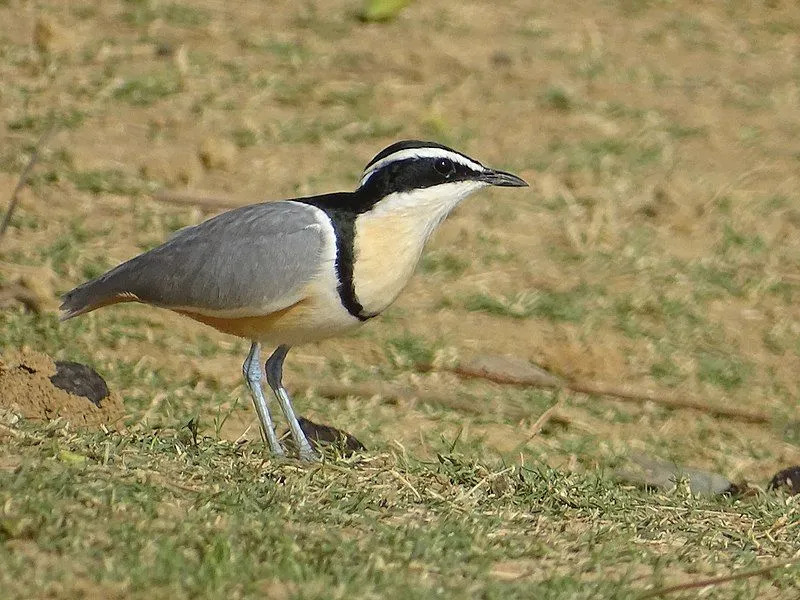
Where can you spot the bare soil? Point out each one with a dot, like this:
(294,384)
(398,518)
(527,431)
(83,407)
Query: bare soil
(26,391)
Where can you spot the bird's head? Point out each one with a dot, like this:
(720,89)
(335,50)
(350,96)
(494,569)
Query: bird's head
(416,174)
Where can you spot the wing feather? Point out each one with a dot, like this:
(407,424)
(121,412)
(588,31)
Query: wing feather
(244,262)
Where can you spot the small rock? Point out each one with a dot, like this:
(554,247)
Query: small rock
(787,479)
(508,369)
(650,472)
(325,435)
(80,380)
(38,389)
(217,154)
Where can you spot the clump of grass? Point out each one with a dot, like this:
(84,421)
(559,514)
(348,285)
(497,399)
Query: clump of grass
(680,132)
(713,280)
(727,372)
(557,98)
(731,238)
(143,12)
(244,137)
(147,89)
(408,350)
(554,306)
(106,181)
(667,372)
(443,262)
(185,15)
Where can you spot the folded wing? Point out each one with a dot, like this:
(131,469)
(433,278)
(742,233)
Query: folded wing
(245,262)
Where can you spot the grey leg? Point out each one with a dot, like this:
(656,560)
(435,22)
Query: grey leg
(252,375)
(274,369)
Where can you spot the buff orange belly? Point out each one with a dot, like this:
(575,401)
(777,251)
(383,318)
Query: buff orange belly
(302,322)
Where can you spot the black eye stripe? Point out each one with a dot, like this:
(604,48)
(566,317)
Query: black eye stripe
(416,173)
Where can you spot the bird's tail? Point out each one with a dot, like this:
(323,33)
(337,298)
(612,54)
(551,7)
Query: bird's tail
(94,294)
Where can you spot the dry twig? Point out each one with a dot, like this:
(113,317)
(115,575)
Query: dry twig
(488,368)
(482,368)
(194,199)
(703,583)
(23,178)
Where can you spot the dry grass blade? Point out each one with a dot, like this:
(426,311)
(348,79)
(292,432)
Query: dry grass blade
(669,400)
(544,418)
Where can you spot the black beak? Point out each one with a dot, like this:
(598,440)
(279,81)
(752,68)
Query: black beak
(502,179)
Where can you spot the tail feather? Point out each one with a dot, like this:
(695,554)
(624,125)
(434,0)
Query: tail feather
(94,294)
(82,299)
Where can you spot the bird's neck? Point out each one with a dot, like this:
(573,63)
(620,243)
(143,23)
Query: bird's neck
(388,242)
(379,242)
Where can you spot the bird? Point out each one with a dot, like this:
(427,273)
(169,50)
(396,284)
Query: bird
(289,272)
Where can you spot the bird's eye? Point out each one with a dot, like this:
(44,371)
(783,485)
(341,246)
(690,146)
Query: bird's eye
(444,167)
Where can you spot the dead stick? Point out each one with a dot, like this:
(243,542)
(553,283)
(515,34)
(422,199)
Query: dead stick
(693,585)
(537,379)
(23,178)
(543,419)
(669,400)
(193,199)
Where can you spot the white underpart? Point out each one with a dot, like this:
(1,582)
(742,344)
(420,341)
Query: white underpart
(426,206)
(421,153)
(390,238)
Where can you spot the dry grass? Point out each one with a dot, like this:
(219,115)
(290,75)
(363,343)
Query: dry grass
(658,247)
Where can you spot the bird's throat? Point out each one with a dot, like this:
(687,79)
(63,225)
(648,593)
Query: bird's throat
(388,244)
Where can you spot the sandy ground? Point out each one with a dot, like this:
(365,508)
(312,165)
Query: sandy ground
(660,141)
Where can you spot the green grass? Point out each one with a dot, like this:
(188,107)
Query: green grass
(557,98)
(147,89)
(445,262)
(724,371)
(244,137)
(409,350)
(216,518)
(555,306)
(106,181)
(141,13)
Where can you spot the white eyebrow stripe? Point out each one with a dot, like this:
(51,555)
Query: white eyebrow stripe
(421,153)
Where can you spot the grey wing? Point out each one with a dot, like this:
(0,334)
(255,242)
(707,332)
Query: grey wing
(244,262)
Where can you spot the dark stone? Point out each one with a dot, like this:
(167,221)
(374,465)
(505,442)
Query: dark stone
(787,479)
(80,380)
(325,435)
(651,473)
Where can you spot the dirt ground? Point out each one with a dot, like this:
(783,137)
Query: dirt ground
(657,247)
(28,392)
